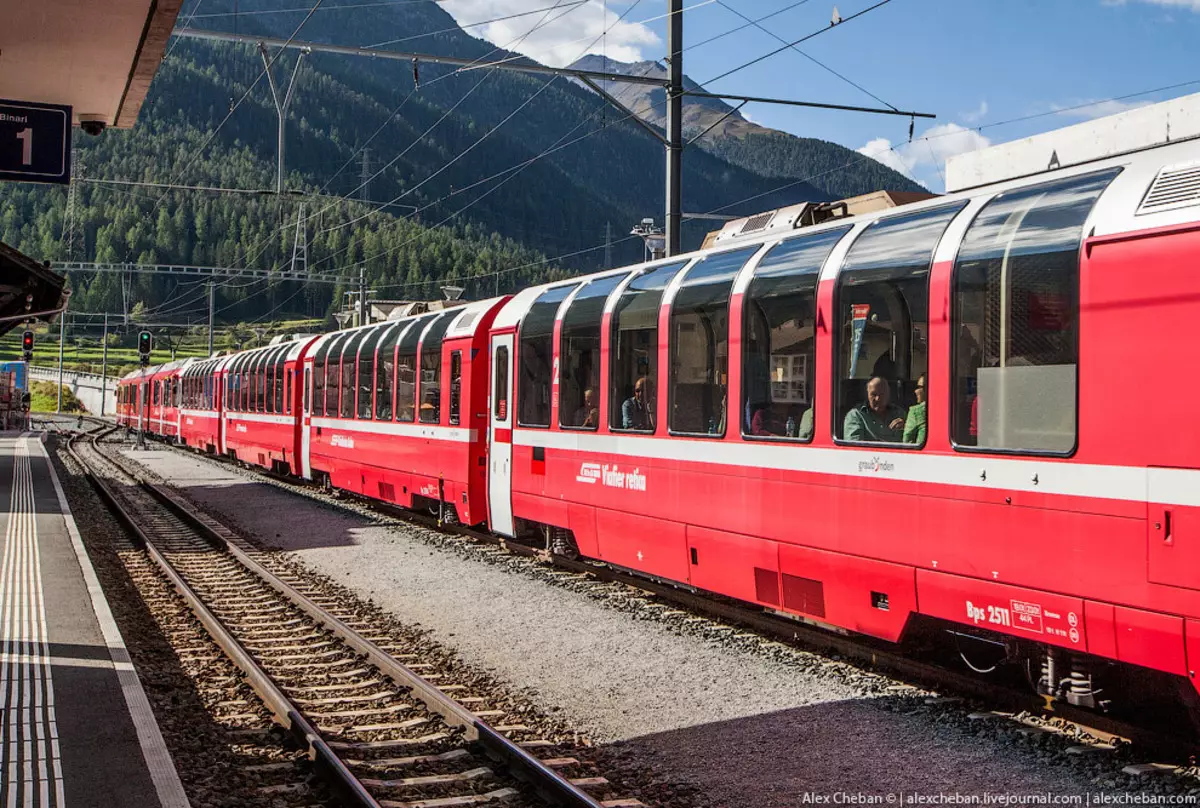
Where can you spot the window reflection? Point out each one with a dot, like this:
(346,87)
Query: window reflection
(883,327)
(1015,329)
(779,338)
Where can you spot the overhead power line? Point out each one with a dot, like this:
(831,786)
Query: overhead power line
(807,56)
(408,56)
(794,43)
(266,70)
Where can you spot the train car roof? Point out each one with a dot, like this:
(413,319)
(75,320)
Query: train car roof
(1155,187)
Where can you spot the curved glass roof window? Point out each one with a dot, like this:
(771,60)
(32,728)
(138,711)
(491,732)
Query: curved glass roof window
(536,357)
(881,313)
(699,344)
(1015,318)
(579,352)
(633,350)
(779,338)
(430,411)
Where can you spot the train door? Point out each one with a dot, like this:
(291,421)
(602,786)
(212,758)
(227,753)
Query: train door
(306,426)
(222,411)
(500,432)
(1173,539)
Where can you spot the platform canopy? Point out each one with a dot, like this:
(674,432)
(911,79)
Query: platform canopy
(27,289)
(98,56)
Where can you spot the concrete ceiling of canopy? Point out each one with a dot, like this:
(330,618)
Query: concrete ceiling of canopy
(98,56)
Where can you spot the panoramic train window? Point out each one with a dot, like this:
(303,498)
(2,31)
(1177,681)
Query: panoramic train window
(318,403)
(333,374)
(248,382)
(779,338)
(455,386)
(260,382)
(633,350)
(500,405)
(536,356)
(699,345)
(406,370)
(349,360)
(1015,318)
(233,384)
(280,360)
(579,355)
(882,328)
(431,369)
(287,390)
(366,371)
(266,376)
(385,372)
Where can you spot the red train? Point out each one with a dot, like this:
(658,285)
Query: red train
(974,409)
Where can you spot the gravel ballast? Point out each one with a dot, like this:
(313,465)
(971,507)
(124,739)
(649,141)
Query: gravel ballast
(746,720)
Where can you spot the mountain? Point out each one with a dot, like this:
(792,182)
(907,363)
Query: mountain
(835,170)
(487,178)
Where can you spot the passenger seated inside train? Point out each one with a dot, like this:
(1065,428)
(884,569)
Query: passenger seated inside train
(588,414)
(431,408)
(877,418)
(637,412)
(780,421)
(916,423)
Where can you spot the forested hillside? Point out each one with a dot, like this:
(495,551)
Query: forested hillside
(495,176)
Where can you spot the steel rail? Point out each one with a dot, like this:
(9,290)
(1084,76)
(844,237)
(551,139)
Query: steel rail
(284,710)
(549,785)
(552,786)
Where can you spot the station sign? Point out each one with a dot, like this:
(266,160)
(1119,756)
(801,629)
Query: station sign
(35,142)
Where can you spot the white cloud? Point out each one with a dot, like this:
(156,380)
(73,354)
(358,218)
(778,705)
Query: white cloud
(977,115)
(1189,5)
(925,158)
(563,34)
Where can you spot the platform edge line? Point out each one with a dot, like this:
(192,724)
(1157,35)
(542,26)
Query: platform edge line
(158,759)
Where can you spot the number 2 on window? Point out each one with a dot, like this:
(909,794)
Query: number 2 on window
(26,137)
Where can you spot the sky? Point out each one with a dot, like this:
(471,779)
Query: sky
(976,64)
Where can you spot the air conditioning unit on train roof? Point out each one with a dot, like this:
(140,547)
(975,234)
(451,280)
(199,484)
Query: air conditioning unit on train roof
(1098,139)
(806,214)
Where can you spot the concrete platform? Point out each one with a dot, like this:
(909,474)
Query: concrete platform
(75,726)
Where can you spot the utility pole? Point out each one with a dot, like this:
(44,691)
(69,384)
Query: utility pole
(281,106)
(362,295)
(607,245)
(364,177)
(674,122)
(62,340)
(212,297)
(104,365)
(73,235)
(300,243)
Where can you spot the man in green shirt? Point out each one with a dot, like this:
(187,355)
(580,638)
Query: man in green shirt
(915,425)
(877,419)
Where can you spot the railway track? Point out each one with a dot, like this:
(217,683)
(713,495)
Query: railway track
(378,732)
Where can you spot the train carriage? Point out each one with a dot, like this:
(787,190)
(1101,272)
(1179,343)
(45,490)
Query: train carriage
(708,419)
(260,416)
(164,382)
(131,399)
(200,408)
(397,410)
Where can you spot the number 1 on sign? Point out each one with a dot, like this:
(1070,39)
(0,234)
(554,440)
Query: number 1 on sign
(26,137)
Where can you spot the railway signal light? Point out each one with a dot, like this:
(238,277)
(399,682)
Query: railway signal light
(145,343)
(27,345)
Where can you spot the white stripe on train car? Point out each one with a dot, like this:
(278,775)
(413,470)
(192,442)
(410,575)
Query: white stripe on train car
(1066,478)
(400,430)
